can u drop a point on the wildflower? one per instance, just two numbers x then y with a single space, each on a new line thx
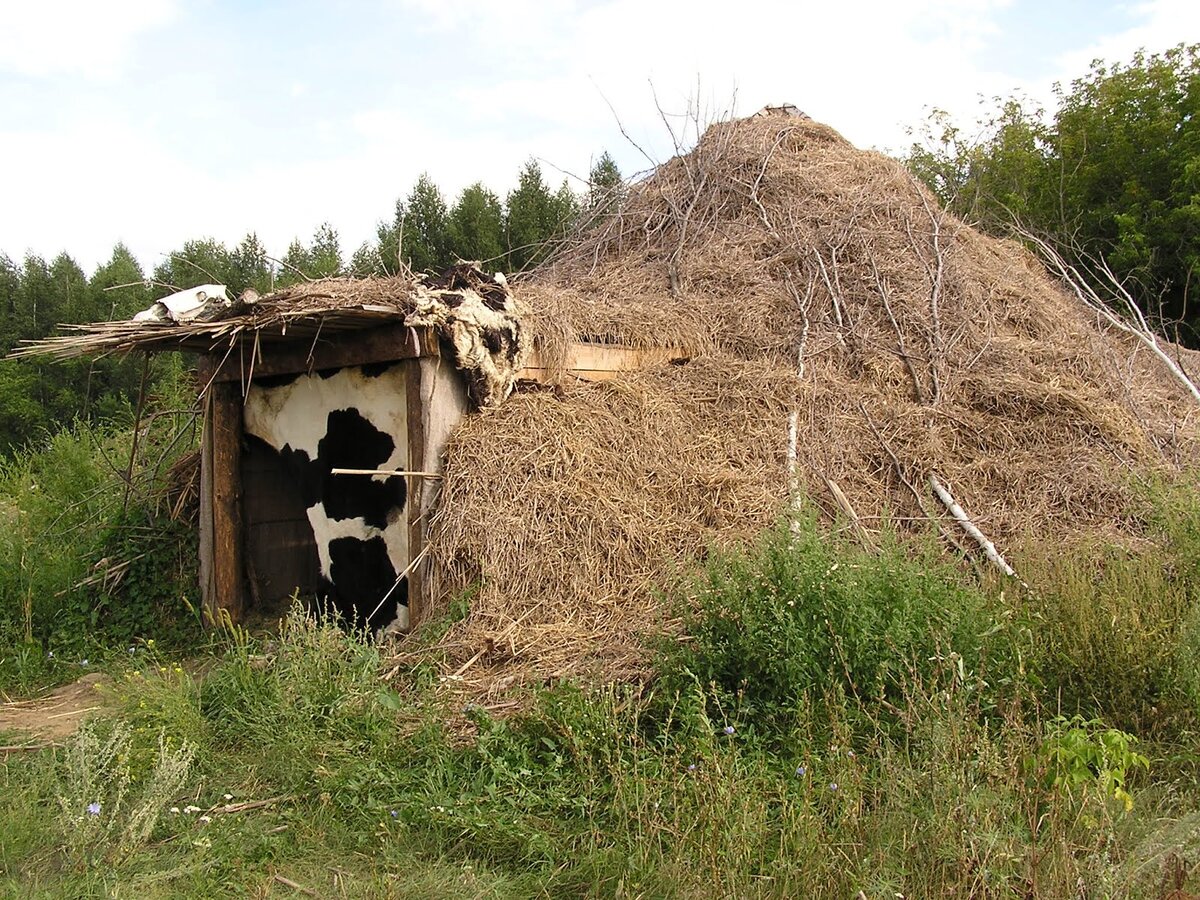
395 813
850 753
692 767
728 729
83 662
132 650
49 654
175 810
833 786
93 808
801 771
228 797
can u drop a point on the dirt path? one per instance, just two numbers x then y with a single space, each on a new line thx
55 716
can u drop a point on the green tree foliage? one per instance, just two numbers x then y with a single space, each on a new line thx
605 184
249 267
323 259
118 287
367 259
204 261
1113 172
425 215
297 263
326 252
535 216
475 230
417 235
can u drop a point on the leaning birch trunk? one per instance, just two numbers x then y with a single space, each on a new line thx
969 527
1135 324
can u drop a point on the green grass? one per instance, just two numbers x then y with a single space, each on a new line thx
830 721
911 746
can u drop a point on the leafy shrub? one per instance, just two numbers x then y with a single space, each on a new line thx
1117 631
772 627
1078 753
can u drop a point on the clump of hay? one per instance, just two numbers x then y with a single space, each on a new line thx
848 339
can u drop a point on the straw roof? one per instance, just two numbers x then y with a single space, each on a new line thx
301 312
849 339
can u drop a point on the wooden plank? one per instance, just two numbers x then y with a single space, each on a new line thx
352 348
416 490
208 585
602 362
285 558
228 551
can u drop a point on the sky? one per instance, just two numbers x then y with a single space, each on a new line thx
152 122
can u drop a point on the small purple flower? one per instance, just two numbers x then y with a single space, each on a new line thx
49 654
692 767
833 786
395 813
801 771
93 808
728 729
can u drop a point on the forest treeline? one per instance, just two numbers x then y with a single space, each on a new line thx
425 233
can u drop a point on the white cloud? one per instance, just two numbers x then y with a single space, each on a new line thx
90 37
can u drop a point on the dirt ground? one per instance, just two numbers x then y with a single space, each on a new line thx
56 716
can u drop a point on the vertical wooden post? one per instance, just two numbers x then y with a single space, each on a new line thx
416 503
222 549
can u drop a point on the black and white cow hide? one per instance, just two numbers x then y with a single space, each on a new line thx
352 418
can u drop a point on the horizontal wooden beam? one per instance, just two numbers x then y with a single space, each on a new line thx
386 343
602 362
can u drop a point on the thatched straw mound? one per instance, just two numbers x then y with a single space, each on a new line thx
814 285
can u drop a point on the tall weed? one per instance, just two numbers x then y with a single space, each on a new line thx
769 627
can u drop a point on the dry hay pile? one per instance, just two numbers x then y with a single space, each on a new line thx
813 285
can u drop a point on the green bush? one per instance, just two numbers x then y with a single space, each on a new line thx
85 562
1117 631
770 628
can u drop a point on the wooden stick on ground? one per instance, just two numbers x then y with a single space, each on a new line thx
844 505
287 882
969 527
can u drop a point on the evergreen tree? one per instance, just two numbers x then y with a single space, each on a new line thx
249 267
476 226
10 300
118 288
564 211
424 243
40 308
74 299
529 217
325 257
205 261
605 185
366 260
297 264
